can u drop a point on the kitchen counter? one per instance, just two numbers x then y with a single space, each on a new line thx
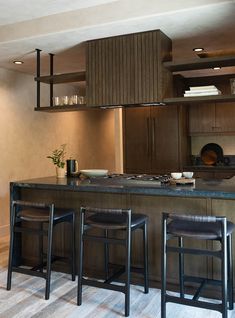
212 188
206 197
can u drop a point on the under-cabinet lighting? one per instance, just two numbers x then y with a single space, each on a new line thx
216 68
198 49
18 62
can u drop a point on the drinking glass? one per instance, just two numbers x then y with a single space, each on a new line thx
232 85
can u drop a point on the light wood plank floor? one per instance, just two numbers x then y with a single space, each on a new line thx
26 299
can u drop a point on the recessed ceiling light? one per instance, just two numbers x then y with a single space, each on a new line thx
216 68
18 62
198 49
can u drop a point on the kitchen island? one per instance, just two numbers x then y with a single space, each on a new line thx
205 197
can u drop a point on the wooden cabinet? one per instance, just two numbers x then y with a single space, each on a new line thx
211 118
201 118
225 114
128 69
154 139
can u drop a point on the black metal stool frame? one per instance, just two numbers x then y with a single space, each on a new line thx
106 240
225 254
15 206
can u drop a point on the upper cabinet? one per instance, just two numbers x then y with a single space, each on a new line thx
212 117
128 69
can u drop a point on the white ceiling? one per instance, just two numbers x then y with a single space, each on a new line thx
62 27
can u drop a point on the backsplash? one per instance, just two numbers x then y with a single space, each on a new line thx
226 142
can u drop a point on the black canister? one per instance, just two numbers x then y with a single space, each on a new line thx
72 167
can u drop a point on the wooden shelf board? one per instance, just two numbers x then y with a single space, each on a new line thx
200 63
68 108
62 78
203 99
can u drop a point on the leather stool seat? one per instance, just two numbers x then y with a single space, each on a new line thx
106 221
41 215
198 230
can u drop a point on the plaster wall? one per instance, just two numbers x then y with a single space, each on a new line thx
226 142
27 137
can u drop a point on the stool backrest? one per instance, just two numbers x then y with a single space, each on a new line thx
168 217
106 218
45 210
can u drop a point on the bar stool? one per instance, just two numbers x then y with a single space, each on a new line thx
24 211
198 228
115 220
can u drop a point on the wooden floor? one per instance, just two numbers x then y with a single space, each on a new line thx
26 299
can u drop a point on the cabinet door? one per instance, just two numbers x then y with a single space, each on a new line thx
165 139
137 140
225 114
202 118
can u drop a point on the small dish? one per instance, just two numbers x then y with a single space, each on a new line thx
176 175
94 172
188 175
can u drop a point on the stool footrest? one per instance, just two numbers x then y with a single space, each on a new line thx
95 283
194 303
104 239
193 251
115 275
121 270
201 279
53 259
30 272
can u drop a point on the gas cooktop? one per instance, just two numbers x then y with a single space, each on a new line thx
134 179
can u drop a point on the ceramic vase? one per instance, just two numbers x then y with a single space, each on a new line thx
60 172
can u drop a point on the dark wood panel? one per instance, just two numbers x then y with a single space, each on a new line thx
203 99
155 139
152 206
165 153
202 118
125 69
67 108
225 114
137 150
62 78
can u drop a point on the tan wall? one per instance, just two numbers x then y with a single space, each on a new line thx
226 142
27 137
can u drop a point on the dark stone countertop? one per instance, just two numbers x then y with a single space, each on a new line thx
212 188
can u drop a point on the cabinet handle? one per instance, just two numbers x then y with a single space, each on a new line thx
148 137
153 137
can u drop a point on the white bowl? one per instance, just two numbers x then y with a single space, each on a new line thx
176 175
188 175
94 172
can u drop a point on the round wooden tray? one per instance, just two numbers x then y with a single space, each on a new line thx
182 181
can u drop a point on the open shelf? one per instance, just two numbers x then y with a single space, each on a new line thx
200 63
62 78
197 99
66 108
